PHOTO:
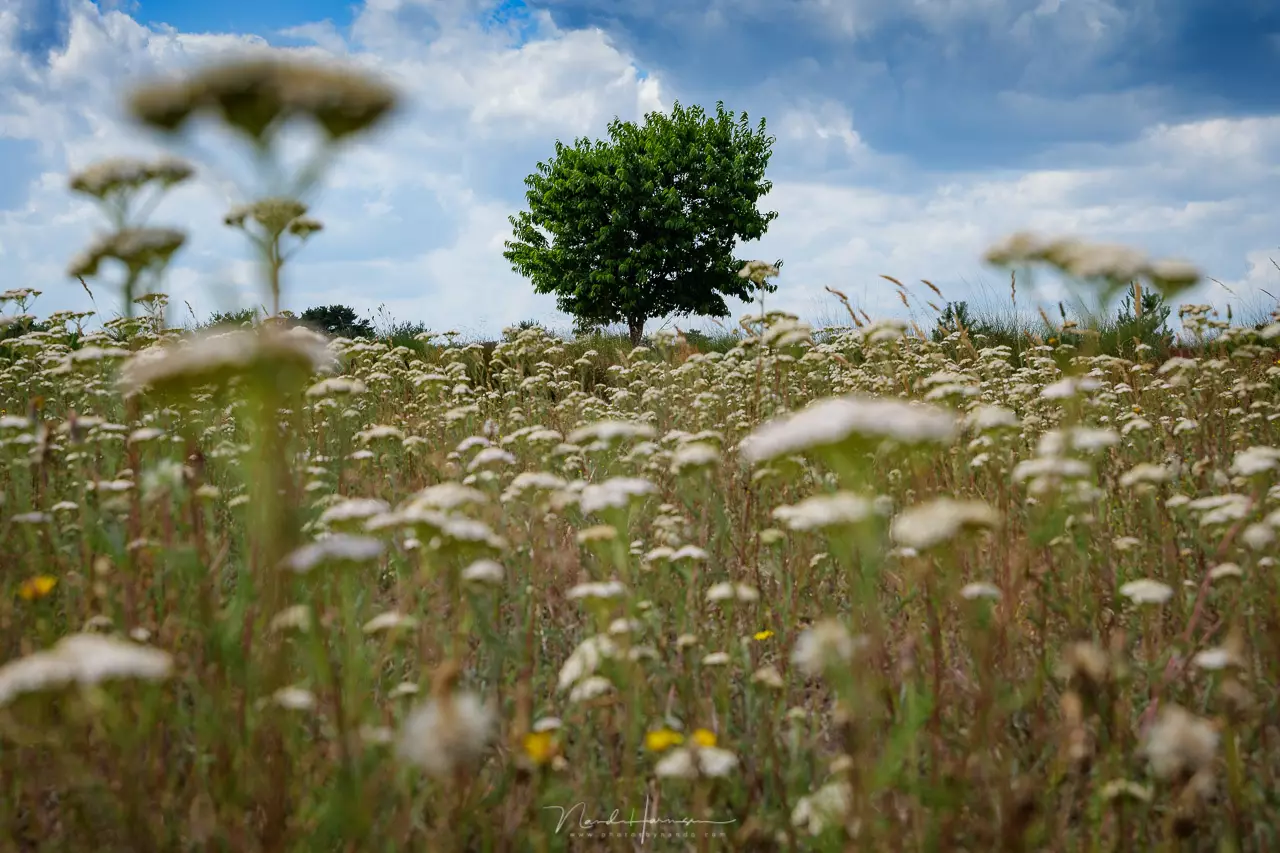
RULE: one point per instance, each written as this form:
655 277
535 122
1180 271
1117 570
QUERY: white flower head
1146 591
447 734
598 590
614 493
852 420
338 549
484 571
694 761
730 591
828 806
86 659
586 659
827 644
939 521
822 512
1179 744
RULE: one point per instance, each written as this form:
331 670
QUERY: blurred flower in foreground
266 354
37 587
84 659
939 521
853 422
450 732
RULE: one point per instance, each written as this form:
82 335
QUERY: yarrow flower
827 644
842 421
450 732
822 512
939 521
84 659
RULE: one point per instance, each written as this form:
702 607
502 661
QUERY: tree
644 225
340 320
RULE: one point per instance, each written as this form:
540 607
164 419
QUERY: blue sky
909 135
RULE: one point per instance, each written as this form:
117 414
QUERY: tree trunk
635 327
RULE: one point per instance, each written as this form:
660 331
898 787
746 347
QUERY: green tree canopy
340 320
645 225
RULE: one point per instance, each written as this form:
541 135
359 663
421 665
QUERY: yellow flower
540 747
661 739
704 737
37 587
763 635
1053 341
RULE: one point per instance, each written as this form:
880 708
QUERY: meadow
861 588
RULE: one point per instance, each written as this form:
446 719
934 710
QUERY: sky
910 135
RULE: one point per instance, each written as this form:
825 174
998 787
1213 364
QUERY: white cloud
475 101
415 219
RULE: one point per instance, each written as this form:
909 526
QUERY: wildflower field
853 589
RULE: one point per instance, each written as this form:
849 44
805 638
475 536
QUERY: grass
272 592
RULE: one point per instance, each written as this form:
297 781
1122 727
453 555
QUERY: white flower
1216 659
1225 570
294 698
297 617
484 572
827 644
729 591
840 420
389 621
1257 536
1179 744
1147 591
446 734
826 807
447 496
615 493
379 431
695 761
336 385
85 659
490 456
590 688
980 589
695 455
1091 440
603 590
353 509
216 357
547 724
985 418
1144 472
769 677
716 659
939 521
340 548
610 431
144 434
821 512
586 659
1255 460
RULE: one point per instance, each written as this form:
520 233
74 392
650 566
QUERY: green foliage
339 320
1147 326
18 328
245 316
644 225
954 318
715 342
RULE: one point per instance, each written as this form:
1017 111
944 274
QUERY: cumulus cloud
415 219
